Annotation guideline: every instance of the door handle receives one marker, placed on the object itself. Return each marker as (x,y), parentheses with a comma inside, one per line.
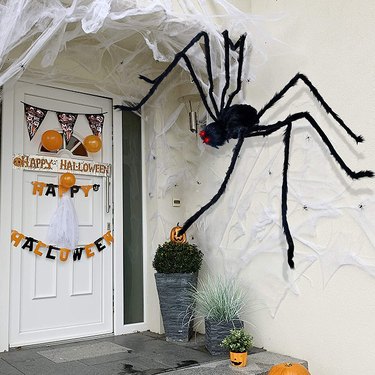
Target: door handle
(107,202)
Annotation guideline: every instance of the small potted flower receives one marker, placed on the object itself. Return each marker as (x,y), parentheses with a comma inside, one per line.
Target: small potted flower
(238,342)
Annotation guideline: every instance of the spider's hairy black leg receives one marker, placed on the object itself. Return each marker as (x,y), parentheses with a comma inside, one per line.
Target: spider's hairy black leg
(336,156)
(264,130)
(182,55)
(227,69)
(220,192)
(241,45)
(314,90)
(284,197)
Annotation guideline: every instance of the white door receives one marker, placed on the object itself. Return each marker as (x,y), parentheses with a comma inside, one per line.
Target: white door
(50,299)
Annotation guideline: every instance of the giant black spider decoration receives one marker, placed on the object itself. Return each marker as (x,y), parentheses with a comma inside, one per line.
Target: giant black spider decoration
(240,121)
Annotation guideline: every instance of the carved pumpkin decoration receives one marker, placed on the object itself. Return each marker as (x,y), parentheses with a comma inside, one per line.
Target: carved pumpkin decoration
(174,237)
(288,369)
(238,359)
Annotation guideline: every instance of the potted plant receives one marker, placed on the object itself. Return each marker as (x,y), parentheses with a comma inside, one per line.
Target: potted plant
(220,302)
(238,342)
(177,265)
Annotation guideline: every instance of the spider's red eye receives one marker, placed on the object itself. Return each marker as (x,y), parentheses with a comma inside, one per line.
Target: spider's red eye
(206,140)
(202,133)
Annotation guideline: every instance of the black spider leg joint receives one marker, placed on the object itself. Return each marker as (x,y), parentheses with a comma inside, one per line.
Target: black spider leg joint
(314,90)
(264,130)
(182,55)
(229,45)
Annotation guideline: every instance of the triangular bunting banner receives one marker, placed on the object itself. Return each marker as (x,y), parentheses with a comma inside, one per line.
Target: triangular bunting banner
(67,121)
(34,118)
(96,123)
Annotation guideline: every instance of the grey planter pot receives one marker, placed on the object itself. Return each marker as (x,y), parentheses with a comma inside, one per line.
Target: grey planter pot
(176,304)
(216,333)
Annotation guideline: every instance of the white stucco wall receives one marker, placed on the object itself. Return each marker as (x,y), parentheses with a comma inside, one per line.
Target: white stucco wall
(332,42)
(315,313)
(328,321)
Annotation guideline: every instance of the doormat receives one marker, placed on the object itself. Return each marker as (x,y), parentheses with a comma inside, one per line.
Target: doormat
(75,353)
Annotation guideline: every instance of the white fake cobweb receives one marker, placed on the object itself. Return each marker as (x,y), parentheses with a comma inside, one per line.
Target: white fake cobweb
(103,45)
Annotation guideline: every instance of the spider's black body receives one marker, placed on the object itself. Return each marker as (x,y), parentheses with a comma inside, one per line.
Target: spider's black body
(233,121)
(240,121)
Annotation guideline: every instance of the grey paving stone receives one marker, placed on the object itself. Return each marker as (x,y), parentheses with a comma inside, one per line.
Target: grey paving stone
(43,366)
(107,358)
(87,350)
(135,365)
(257,364)
(150,355)
(7,369)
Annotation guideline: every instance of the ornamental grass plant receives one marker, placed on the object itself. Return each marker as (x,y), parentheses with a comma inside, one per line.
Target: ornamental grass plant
(219,299)
(172,257)
(238,341)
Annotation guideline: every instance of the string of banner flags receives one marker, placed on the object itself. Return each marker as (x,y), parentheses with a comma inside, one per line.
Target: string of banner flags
(36,246)
(63,231)
(50,189)
(35,116)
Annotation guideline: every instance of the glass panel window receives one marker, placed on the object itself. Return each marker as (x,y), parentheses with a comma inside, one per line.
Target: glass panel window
(132,213)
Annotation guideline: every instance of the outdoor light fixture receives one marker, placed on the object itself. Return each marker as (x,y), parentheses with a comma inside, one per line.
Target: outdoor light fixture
(192,105)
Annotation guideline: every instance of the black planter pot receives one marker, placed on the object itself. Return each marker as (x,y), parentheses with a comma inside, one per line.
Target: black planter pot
(216,333)
(176,304)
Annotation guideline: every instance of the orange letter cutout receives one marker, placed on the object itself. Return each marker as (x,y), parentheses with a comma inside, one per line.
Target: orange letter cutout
(108,237)
(89,253)
(38,246)
(86,189)
(38,187)
(64,254)
(16,238)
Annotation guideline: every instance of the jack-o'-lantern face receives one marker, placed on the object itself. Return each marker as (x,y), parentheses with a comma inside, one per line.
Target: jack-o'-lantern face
(175,237)
(238,359)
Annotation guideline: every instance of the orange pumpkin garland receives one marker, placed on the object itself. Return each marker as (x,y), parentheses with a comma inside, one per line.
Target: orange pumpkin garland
(174,237)
(288,369)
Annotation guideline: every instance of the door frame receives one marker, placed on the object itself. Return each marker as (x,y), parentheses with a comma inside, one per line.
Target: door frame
(119,326)
(7,139)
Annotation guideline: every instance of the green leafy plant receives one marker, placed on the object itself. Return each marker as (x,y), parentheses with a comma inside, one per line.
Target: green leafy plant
(219,299)
(173,257)
(238,341)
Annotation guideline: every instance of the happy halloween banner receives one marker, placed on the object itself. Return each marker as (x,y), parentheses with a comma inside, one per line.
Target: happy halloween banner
(60,165)
(50,189)
(50,251)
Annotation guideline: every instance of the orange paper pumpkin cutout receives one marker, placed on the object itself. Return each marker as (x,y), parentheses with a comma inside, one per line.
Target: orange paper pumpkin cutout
(52,140)
(175,237)
(67,180)
(92,143)
(238,359)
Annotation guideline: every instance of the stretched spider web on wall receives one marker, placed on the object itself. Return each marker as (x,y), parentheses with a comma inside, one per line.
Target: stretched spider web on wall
(70,42)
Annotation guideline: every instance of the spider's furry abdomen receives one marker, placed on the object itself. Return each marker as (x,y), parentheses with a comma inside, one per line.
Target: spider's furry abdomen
(232,120)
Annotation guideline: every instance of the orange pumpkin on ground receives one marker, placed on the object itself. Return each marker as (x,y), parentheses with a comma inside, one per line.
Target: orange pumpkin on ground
(288,369)
(174,237)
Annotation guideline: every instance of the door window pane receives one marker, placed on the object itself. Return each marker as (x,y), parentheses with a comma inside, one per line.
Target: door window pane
(132,211)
